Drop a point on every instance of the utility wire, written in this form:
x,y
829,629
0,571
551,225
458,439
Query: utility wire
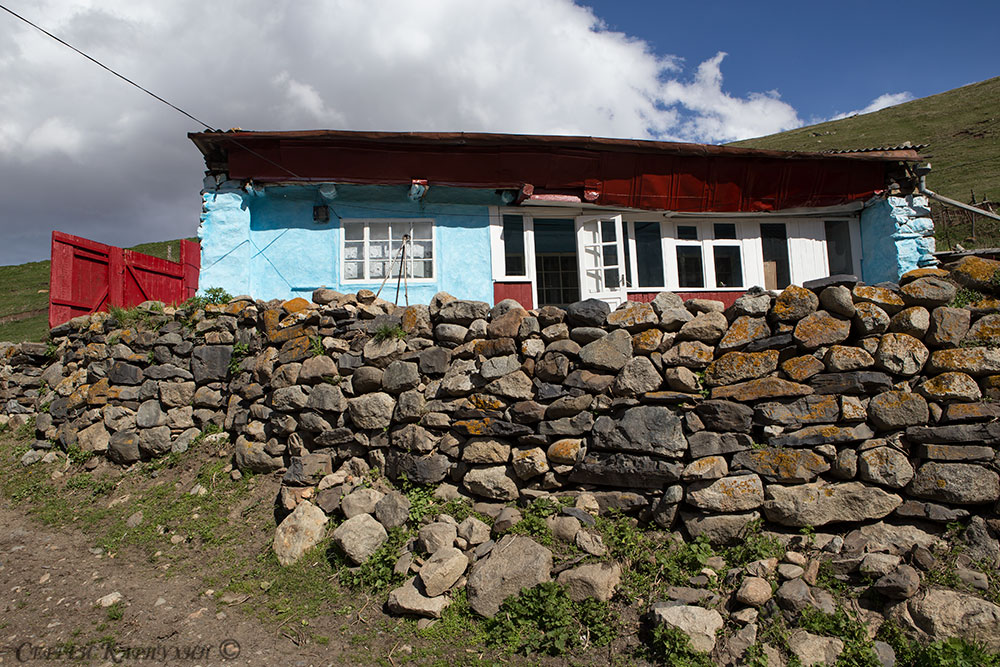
x,y
146,90
102,65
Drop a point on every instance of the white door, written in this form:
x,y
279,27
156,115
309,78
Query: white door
x,y
601,258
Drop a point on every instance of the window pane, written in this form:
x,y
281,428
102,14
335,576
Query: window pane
x,y
774,250
610,278
838,247
725,230
608,231
378,230
648,254
378,250
354,232
513,245
399,230
421,230
353,270
378,269
610,254
423,269
354,250
687,232
421,249
689,268
728,268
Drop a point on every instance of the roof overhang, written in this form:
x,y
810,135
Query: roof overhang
x,y
625,173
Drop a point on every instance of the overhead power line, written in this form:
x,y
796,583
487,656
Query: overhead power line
x,y
143,89
103,66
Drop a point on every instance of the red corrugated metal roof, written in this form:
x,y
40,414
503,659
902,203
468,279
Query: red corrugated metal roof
x,y
628,173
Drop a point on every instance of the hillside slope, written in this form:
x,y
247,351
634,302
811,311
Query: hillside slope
x,y
961,128
24,293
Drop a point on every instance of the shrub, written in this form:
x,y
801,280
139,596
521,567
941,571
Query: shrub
x,y
670,646
543,619
213,295
240,352
387,331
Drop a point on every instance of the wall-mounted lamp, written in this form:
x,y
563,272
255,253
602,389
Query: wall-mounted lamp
x,y
418,188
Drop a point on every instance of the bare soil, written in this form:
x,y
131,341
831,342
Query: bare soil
x,y
52,581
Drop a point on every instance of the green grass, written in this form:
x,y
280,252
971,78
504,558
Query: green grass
x,y
24,293
963,136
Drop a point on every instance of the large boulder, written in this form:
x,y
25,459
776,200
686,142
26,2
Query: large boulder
x,y
515,562
647,429
960,483
609,353
371,411
210,363
492,482
893,410
300,531
939,613
821,329
729,494
793,304
736,367
885,465
698,623
442,570
410,599
782,465
819,503
359,537
592,580
588,313
901,354
813,649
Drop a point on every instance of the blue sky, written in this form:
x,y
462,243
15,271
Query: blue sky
x,y
824,58
84,153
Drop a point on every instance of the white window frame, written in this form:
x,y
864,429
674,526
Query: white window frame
x,y
745,241
367,222
497,247
628,225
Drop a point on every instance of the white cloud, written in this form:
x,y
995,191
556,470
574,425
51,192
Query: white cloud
x,y
496,65
881,102
717,116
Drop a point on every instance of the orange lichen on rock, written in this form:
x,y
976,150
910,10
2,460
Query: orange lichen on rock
x,y
295,305
976,272
738,366
755,390
802,368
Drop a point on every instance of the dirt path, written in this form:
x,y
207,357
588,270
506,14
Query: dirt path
x,y
50,582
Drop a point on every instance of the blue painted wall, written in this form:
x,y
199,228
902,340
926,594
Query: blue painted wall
x,y
267,245
897,235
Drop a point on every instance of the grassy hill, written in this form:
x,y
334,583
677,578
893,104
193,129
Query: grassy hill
x,y
962,130
24,293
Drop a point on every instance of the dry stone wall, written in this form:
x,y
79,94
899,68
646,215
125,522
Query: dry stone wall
x,y
830,403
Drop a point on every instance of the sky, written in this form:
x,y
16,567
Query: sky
x,y
84,153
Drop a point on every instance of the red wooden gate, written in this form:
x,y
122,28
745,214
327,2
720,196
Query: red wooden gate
x,y
87,276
